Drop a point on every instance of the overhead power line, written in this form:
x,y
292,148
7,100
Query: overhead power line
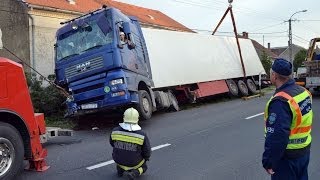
x,y
270,32
219,5
267,27
309,20
300,38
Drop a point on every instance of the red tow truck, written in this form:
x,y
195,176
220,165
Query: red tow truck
x,y
22,131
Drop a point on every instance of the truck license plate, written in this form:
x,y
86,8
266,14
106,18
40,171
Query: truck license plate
x,y
89,106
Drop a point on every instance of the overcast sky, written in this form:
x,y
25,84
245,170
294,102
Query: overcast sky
x,y
258,17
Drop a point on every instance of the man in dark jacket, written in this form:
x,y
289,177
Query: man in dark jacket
x,y
131,146
288,120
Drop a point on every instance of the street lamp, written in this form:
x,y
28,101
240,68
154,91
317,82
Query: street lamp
x,y
290,35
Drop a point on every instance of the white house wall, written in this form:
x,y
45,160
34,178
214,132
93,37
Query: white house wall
x,y
45,27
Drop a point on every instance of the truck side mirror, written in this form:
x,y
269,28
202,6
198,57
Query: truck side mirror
x,y
126,27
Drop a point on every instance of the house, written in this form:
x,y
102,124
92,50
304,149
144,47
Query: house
x,y
284,52
29,26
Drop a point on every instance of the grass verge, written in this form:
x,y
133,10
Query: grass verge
x,y
59,121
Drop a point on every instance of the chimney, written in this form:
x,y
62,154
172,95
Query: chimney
x,y
269,46
73,2
245,35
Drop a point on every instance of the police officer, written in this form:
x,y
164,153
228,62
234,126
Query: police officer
x,y
131,146
288,120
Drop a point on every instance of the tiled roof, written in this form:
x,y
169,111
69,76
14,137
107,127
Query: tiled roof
x,y
278,50
261,48
145,15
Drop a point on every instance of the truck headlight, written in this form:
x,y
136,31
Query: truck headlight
x,y
116,81
121,93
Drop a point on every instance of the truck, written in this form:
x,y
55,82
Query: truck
x,y
152,69
312,65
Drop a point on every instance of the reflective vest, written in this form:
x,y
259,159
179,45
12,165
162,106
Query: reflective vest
x,y
127,137
300,129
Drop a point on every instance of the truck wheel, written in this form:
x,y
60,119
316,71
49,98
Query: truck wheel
x,y
233,88
174,102
11,151
243,88
145,105
251,86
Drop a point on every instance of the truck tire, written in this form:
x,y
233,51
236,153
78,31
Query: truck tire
x,y
233,88
251,86
145,105
174,102
243,88
11,152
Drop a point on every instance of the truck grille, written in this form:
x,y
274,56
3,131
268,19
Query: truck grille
x,y
84,67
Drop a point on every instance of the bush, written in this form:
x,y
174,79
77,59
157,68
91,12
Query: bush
x,y
266,62
299,58
45,99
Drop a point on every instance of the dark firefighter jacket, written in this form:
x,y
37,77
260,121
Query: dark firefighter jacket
x,y
129,148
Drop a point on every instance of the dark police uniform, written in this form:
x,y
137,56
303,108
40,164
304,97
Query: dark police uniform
x,y
288,119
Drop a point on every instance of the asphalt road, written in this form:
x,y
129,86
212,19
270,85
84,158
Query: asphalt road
x,y
213,141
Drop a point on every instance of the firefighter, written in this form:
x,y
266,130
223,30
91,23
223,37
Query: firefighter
x,y
131,146
288,120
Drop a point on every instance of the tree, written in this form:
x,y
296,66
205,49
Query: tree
x,y
266,62
299,58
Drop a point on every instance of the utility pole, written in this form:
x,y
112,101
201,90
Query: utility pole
x,y
290,42
290,35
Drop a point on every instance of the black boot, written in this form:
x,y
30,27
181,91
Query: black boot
x,y
119,171
130,175
120,174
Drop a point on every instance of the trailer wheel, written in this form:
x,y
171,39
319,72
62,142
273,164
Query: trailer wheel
x,y
233,88
145,105
243,88
251,86
174,102
11,151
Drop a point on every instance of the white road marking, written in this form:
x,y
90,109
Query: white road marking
x,y
250,117
112,161
100,165
160,146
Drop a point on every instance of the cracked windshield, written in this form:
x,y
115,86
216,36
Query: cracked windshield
x,y
81,39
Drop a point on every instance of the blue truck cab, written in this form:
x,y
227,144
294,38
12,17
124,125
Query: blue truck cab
x,y
99,69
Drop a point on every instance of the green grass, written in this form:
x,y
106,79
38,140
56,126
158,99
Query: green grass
x,y
59,121
266,90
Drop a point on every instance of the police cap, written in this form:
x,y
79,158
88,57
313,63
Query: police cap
x,y
282,67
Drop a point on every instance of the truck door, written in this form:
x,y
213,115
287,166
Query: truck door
x,y
139,51
133,58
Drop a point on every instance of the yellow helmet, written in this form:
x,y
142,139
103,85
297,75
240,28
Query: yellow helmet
x,y
131,116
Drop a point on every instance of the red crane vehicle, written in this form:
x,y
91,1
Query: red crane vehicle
x,y
22,131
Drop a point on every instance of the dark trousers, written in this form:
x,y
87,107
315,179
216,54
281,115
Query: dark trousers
x,y
292,169
136,172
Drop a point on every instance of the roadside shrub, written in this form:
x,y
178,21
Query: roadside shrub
x,y
45,97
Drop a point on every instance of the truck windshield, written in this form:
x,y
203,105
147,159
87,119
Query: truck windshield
x,y
84,38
